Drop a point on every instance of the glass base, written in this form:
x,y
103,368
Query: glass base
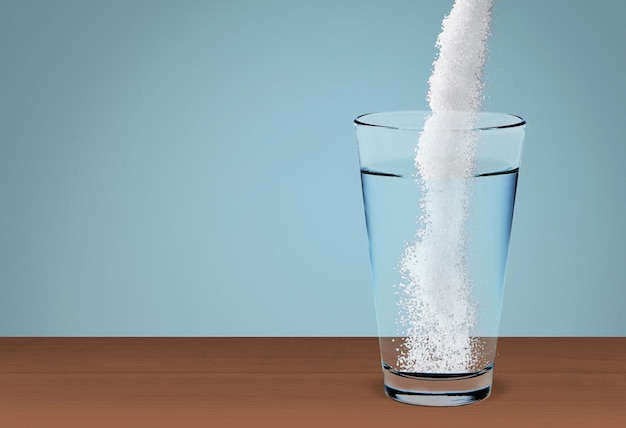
x,y
428,389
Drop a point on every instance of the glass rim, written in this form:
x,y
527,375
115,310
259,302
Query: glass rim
x,y
513,121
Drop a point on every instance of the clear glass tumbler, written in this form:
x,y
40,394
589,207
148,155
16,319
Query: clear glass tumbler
x,y
438,250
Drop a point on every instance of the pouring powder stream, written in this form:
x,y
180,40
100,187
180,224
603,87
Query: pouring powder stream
x,y
436,309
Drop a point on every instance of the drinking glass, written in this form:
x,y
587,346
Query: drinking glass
x,y
438,249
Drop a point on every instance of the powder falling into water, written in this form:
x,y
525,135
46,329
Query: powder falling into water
x,y
436,306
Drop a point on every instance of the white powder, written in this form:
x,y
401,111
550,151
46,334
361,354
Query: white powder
x,y
436,306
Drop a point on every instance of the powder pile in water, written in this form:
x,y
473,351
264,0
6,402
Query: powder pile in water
x,y
437,312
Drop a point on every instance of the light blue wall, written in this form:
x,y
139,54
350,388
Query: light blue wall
x,y
190,167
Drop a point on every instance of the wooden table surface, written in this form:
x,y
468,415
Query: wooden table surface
x,y
292,382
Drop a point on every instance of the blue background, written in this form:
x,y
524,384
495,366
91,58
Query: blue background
x,y
190,167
